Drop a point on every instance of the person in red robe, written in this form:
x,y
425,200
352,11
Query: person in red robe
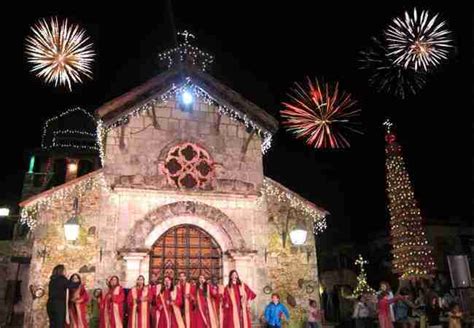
x,y
155,288
77,305
383,309
185,289
168,303
138,301
204,314
111,305
237,297
217,290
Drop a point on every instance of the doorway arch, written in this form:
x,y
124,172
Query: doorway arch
x,y
186,248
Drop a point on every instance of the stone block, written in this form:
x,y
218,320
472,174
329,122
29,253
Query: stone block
x,y
173,125
163,112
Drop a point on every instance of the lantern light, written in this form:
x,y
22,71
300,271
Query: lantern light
x,y
298,235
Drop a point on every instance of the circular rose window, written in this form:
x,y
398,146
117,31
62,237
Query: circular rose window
x,y
189,166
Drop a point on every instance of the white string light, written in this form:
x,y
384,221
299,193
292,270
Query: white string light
x,y
188,86
56,144
186,50
29,213
100,141
272,190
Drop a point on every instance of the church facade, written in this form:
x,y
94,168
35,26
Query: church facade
x,y
181,188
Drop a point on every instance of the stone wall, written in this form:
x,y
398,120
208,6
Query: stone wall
x,y
292,273
50,249
136,150
292,270
237,223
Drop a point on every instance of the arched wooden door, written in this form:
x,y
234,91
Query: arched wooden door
x,y
186,248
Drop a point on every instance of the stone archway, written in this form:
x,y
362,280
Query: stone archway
x,y
147,230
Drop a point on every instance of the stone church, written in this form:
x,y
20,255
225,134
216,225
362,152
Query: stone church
x,y
181,187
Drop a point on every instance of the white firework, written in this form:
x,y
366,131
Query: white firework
x,y
418,41
60,53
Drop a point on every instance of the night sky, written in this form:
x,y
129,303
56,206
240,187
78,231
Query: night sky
x,y
260,52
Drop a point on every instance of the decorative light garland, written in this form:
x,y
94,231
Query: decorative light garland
x,y
29,213
100,141
54,144
188,86
270,189
362,285
184,50
412,255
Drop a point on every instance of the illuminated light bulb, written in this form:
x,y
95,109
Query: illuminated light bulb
x,y
187,98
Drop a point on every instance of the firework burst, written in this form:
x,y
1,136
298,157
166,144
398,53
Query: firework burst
x,y
60,52
418,41
319,114
387,77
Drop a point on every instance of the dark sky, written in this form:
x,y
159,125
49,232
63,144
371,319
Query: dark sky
x,y
260,51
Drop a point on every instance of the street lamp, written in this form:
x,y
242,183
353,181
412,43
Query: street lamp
x,y
71,227
299,234
4,212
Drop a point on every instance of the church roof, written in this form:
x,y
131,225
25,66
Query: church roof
x,y
269,183
160,84
83,179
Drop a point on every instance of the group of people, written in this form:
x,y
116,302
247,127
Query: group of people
x,y
203,304
409,308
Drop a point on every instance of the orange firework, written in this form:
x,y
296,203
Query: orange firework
x,y
319,115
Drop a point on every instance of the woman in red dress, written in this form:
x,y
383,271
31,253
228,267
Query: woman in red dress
x,y
77,305
168,303
237,297
155,288
138,300
204,314
383,309
111,305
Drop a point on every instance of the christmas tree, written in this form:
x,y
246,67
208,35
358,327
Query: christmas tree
x,y
411,253
362,285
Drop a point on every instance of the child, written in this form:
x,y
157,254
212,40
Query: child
x,y
455,316
275,311
314,315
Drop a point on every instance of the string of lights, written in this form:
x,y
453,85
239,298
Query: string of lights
x,y
29,213
190,89
100,141
186,50
271,190
55,143
362,285
412,257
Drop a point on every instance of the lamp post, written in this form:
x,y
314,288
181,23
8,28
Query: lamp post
x,y
4,212
71,227
298,234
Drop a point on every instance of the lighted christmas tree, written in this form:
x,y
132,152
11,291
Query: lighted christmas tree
x,y
412,256
362,285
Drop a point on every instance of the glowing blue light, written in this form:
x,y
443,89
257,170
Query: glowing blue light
x,y
187,98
